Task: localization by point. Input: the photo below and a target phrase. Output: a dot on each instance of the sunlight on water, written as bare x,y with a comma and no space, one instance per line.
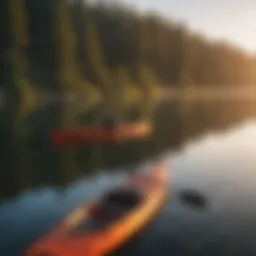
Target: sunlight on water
222,168
220,164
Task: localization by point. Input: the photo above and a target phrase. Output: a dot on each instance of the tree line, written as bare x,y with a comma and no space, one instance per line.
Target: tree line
108,49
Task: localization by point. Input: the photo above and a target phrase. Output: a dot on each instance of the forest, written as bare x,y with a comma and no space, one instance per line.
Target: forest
108,50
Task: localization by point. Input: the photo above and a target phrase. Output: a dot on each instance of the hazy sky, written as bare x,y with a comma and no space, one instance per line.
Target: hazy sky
234,20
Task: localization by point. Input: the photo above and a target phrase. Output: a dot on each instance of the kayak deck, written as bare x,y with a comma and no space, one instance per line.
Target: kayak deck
101,227
110,209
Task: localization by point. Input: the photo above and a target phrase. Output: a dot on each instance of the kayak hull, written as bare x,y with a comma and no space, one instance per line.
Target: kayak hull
61,242
61,137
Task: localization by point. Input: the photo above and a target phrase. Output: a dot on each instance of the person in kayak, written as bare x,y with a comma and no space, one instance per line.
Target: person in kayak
109,123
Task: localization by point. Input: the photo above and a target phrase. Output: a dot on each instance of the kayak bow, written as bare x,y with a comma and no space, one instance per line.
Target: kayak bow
102,226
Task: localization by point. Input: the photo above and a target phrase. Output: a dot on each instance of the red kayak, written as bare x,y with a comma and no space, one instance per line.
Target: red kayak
103,225
61,137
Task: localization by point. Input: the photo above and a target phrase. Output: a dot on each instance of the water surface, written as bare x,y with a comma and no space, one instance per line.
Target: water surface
208,146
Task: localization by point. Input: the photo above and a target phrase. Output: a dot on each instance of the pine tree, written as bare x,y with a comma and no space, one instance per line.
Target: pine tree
20,42
96,57
4,45
70,77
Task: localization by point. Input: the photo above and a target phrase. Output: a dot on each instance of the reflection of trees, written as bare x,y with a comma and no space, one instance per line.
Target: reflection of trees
144,110
174,125
22,164
72,112
30,161
14,155
203,117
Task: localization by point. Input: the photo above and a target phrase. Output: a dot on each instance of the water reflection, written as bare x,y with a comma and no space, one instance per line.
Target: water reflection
222,167
29,160
211,148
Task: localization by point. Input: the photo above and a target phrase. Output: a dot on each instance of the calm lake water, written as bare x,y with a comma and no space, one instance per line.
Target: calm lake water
210,146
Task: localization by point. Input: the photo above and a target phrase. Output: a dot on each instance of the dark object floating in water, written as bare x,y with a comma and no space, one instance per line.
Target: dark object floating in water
194,198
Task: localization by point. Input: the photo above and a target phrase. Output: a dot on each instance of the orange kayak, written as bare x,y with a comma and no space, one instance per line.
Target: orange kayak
122,132
104,225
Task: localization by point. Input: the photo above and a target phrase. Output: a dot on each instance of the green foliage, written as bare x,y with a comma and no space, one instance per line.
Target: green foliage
69,75
126,89
19,21
20,40
107,49
96,57
149,82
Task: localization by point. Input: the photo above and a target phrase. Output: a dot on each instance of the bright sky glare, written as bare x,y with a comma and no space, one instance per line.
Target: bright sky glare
232,20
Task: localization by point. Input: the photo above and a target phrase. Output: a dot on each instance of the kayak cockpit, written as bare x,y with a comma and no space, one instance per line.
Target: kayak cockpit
110,208
127,198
